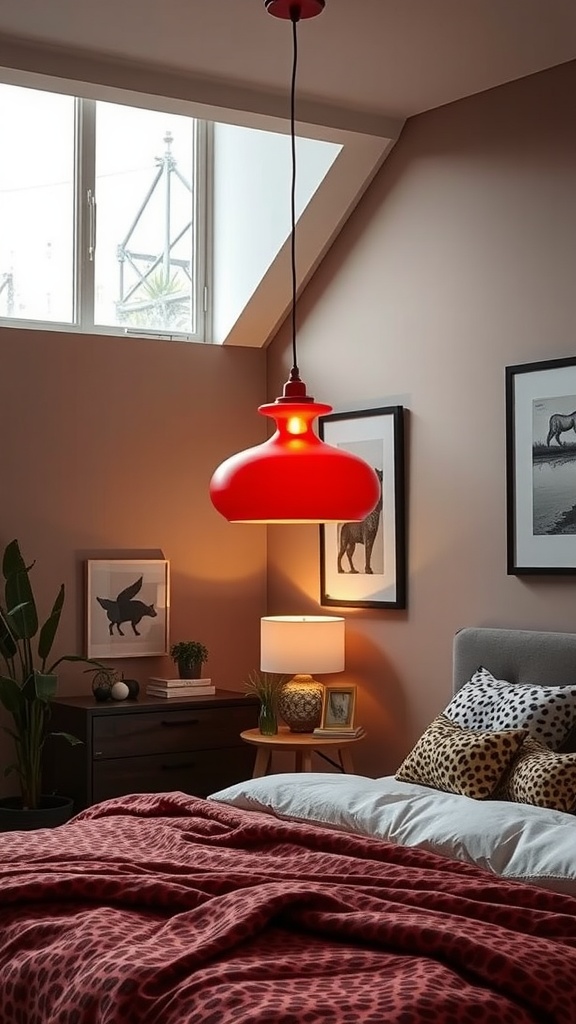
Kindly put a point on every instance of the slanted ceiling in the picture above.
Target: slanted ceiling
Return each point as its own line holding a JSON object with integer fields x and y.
{"x": 365, "y": 67}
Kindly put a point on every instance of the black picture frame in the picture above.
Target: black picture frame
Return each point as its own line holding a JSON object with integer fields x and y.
{"x": 541, "y": 467}
{"x": 376, "y": 435}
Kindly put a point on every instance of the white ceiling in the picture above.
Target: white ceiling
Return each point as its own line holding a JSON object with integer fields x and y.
{"x": 384, "y": 57}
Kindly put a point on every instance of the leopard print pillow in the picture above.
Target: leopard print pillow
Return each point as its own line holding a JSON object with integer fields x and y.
{"x": 540, "y": 776}
{"x": 548, "y": 712}
{"x": 458, "y": 760}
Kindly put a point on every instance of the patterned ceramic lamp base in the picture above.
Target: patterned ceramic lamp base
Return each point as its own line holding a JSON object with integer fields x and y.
{"x": 300, "y": 703}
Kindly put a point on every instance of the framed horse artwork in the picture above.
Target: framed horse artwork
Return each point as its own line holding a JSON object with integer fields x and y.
{"x": 363, "y": 564}
{"x": 541, "y": 467}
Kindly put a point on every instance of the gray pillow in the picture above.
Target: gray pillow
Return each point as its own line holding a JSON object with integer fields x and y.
{"x": 547, "y": 712}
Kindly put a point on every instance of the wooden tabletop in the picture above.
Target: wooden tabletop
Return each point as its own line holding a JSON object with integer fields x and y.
{"x": 285, "y": 738}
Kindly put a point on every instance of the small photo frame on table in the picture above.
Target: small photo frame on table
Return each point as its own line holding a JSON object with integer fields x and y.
{"x": 541, "y": 467}
{"x": 363, "y": 565}
{"x": 338, "y": 707}
{"x": 127, "y": 607}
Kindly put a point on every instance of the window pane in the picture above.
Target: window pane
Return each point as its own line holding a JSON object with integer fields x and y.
{"x": 144, "y": 269}
{"x": 36, "y": 204}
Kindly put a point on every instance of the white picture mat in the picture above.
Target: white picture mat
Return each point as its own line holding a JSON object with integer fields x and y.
{"x": 105, "y": 579}
{"x": 338, "y": 707}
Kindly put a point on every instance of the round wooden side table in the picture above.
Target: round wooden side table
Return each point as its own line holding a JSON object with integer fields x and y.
{"x": 301, "y": 744}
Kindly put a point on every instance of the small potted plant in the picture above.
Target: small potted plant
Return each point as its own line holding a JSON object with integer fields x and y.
{"x": 189, "y": 656}
{"x": 267, "y": 686}
{"x": 27, "y": 686}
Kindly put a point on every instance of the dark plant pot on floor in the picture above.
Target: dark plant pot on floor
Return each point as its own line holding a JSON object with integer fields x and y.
{"x": 53, "y": 811}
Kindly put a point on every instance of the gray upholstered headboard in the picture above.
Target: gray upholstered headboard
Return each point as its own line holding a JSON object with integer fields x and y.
{"x": 518, "y": 655}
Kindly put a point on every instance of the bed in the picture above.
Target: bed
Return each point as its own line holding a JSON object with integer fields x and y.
{"x": 240, "y": 908}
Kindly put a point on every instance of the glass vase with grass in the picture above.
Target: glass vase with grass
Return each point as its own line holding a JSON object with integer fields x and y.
{"x": 267, "y": 686}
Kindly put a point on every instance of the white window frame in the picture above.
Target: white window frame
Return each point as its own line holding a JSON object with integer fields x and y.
{"x": 85, "y": 186}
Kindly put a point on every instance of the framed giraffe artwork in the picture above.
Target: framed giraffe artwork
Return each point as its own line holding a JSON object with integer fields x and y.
{"x": 127, "y": 607}
{"x": 541, "y": 467}
{"x": 363, "y": 565}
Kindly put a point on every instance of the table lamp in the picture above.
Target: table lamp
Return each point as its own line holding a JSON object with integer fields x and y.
{"x": 292, "y": 643}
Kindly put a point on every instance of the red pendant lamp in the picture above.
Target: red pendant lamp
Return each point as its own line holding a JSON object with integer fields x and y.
{"x": 294, "y": 476}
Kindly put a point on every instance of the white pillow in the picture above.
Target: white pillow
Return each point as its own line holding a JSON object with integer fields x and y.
{"x": 531, "y": 844}
{"x": 547, "y": 712}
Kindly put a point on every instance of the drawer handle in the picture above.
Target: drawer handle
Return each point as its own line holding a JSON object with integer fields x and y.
{"x": 188, "y": 721}
{"x": 177, "y": 767}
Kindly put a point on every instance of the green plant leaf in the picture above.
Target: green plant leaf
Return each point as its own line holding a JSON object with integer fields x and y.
{"x": 8, "y": 648}
{"x": 11, "y": 695}
{"x": 20, "y": 604}
{"x": 189, "y": 650}
{"x": 50, "y": 627}
{"x": 40, "y": 686}
{"x": 265, "y": 685}
{"x": 73, "y": 740}
{"x": 12, "y": 561}
{"x": 77, "y": 657}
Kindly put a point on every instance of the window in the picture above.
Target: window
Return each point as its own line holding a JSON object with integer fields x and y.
{"x": 102, "y": 215}
{"x": 120, "y": 219}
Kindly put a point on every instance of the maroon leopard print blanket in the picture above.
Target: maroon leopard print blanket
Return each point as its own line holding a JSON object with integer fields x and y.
{"x": 166, "y": 909}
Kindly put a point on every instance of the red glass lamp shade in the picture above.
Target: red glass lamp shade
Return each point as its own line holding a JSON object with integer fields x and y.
{"x": 294, "y": 476}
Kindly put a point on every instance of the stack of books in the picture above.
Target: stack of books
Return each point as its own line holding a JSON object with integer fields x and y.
{"x": 180, "y": 688}
{"x": 339, "y": 733}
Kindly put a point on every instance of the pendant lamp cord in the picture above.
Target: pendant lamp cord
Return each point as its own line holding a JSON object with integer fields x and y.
{"x": 294, "y": 16}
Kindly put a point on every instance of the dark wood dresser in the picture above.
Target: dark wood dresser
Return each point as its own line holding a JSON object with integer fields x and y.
{"x": 148, "y": 745}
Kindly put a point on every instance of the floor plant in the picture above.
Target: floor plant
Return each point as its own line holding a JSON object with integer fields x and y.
{"x": 28, "y": 679}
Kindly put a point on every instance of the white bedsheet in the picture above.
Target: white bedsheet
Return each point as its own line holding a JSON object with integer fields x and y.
{"x": 518, "y": 841}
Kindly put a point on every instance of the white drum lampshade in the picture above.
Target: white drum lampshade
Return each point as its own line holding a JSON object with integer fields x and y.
{"x": 302, "y": 644}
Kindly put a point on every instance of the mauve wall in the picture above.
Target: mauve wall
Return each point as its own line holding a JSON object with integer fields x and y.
{"x": 459, "y": 261}
{"x": 108, "y": 446}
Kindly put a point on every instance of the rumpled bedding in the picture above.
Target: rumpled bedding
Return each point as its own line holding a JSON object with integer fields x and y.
{"x": 170, "y": 909}
{"x": 521, "y": 841}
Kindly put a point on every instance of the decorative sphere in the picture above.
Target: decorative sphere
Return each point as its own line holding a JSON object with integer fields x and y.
{"x": 102, "y": 685}
{"x": 119, "y": 691}
{"x": 101, "y": 693}
{"x": 133, "y": 687}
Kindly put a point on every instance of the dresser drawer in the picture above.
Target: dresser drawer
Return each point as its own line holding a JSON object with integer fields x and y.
{"x": 198, "y": 772}
{"x": 169, "y": 731}
{"x": 149, "y": 746}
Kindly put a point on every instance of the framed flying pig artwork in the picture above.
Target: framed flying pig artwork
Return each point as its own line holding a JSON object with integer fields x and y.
{"x": 127, "y": 607}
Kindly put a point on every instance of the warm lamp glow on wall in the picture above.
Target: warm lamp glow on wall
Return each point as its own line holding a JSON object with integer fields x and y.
{"x": 292, "y": 643}
{"x": 294, "y": 476}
